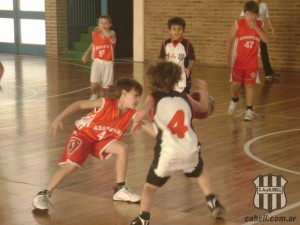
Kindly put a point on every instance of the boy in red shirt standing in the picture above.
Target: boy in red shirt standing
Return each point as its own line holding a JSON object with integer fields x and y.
{"x": 104, "y": 41}
{"x": 245, "y": 35}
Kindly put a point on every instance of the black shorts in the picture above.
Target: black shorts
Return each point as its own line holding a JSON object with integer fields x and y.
{"x": 155, "y": 180}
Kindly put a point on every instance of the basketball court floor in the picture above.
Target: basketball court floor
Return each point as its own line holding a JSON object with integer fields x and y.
{"x": 254, "y": 166}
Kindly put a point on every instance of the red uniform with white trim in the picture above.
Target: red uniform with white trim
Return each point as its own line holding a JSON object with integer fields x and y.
{"x": 245, "y": 53}
{"x": 247, "y": 46}
{"x": 95, "y": 131}
{"x": 103, "y": 47}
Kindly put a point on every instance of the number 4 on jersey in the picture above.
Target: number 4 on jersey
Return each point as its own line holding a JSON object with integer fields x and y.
{"x": 176, "y": 125}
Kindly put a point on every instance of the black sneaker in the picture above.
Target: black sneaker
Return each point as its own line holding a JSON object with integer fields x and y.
{"x": 216, "y": 208}
{"x": 139, "y": 221}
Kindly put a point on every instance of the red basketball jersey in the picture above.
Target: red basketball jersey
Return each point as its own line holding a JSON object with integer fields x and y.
{"x": 103, "y": 48}
{"x": 105, "y": 122}
{"x": 245, "y": 55}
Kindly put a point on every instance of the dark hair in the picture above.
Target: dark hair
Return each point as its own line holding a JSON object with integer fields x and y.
{"x": 251, "y": 6}
{"x": 163, "y": 76}
{"x": 128, "y": 84}
{"x": 176, "y": 21}
{"x": 106, "y": 17}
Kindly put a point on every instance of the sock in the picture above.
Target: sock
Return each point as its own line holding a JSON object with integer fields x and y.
{"x": 119, "y": 186}
{"x": 236, "y": 99}
{"x": 210, "y": 197}
{"x": 145, "y": 215}
{"x": 249, "y": 107}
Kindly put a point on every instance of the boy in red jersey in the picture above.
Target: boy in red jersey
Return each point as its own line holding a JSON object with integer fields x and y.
{"x": 104, "y": 41}
{"x": 245, "y": 35}
{"x": 98, "y": 133}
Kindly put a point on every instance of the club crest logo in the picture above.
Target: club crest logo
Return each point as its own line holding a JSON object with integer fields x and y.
{"x": 269, "y": 193}
{"x": 74, "y": 143}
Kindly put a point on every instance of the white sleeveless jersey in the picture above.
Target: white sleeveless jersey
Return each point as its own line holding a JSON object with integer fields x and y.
{"x": 172, "y": 118}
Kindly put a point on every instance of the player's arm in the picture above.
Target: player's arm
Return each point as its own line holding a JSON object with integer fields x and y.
{"x": 269, "y": 21}
{"x": 230, "y": 41}
{"x": 1, "y": 74}
{"x": 87, "y": 53}
{"x": 190, "y": 67}
{"x": 202, "y": 105}
{"x": 71, "y": 109}
{"x": 141, "y": 114}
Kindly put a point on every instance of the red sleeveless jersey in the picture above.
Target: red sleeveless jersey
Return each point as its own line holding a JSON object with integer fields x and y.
{"x": 105, "y": 122}
{"x": 103, "y": 48}
{"x": 247, "y": 45}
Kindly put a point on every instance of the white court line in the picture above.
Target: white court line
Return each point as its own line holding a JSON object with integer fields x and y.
{"x": 249, "y": 153}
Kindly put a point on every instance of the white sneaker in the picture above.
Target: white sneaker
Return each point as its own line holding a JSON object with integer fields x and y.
{"x": 94, "y": 97}
{"x": 232, "y": 107}
{"x": 126, "y": 195}
{"x": 248, "y": 115}
{"x": 42, "y": 200}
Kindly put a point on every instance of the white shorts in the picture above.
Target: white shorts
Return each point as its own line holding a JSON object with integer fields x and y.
{"x": 102, "y": 72}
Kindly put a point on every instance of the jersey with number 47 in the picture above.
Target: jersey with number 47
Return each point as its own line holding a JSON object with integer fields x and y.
{"x": 172, "y": 116}
{"x": 245, "y": 52}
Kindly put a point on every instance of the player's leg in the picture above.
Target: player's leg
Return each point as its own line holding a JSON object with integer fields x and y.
{"x": 250, "y": 80}
{"x": 107, "y": 78}
{"x": 205, "y": 185}
{"x": 236, "y": 78}
{"x": 153, "y": 182}
{"x": 122, "y": 192}
{"x": 74, "y": 155}
{"x": 95, "y": 79}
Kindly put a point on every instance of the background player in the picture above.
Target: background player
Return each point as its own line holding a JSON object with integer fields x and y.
{"x": 246, "y": 33}
{"x": 104, "y": 41}
{"x": 180, "y": 51}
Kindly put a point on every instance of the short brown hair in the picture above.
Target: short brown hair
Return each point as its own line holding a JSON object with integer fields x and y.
{"x": 251, "y": 6}
{"x": 128, "y": 84}
{"x": 163, "y": 76}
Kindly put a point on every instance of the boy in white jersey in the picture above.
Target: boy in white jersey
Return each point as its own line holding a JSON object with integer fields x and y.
{"x": 104, "y": 41}
{"x": 177, "y": 146}
{"x": 98, "y": 134}
{"x": 180, "y": 51}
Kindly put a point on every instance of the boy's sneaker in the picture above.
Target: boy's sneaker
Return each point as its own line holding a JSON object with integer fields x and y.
{"x": 269, "y": 76}
{"x": 139, "y": 221}
{"x": 248, "y": 115}
{"x": 127, "y": 195}
{"x": 42, "y": 200}
{"x": 232, "y": 107}
{"x": 94, "y": 97}
{"x": 216, "y": 208}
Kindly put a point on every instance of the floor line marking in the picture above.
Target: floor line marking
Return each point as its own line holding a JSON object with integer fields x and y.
{"x": 249, "y": 153}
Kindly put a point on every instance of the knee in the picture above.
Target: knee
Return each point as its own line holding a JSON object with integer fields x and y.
{"x": 122, "y": 149}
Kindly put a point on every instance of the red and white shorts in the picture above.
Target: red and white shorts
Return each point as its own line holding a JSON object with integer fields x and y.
{"x": 245, "y": 76}
{"x": 79, "y": 147}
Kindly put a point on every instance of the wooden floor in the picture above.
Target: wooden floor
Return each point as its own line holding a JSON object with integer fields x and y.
{"x": 36, "y": 89}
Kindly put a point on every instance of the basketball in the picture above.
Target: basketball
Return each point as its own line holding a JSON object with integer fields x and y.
{"x": 211, "y": 105}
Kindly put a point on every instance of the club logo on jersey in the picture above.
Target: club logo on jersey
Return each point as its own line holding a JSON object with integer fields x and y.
{"x": 74, "y": 143}
{"x": 181, "y": 57}
{"x": 269, "y": 193}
